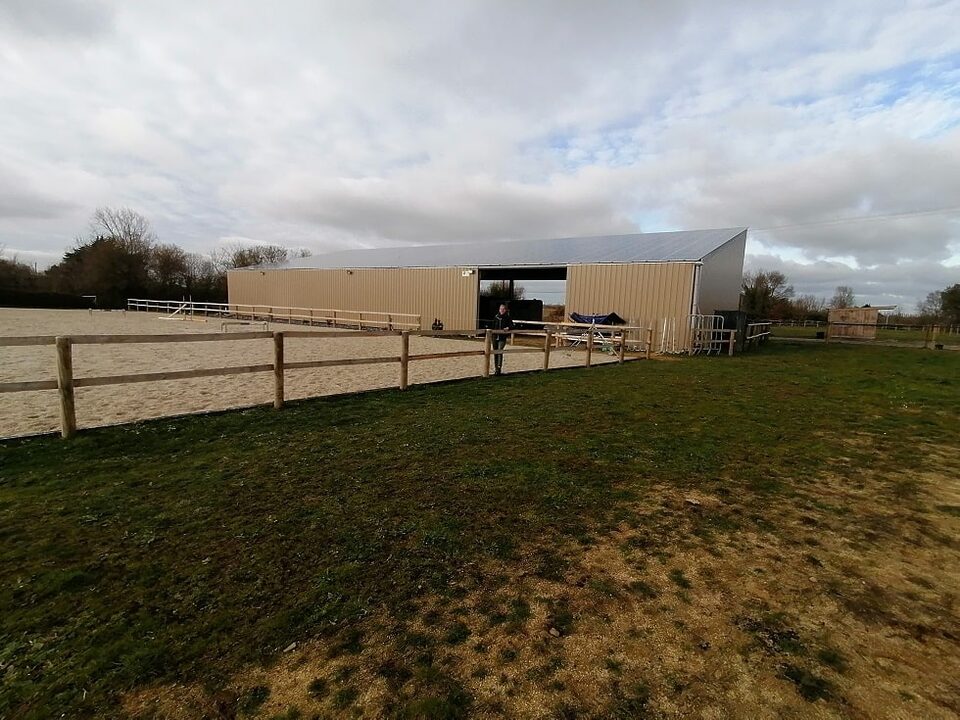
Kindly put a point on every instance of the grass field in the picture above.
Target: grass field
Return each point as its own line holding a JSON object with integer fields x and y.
{"x": 772, "y": 535}
{"x": 885, "y": 334}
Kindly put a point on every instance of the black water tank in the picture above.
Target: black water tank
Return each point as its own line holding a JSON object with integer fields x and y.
{"x": 735, "y": 320}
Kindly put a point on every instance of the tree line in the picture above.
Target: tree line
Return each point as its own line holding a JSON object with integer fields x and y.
{"x": 768, "y": 295}
{"x": 121, "y": 257}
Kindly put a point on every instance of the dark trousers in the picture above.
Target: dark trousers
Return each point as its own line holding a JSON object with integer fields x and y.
{"x": 499, "y": 343}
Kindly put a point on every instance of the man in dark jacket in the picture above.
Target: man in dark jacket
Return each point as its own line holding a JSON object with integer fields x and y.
{"x": 502, "y": 321}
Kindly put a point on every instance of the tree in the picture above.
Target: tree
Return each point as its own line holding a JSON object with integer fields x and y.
{"x": 15, "y": 275}
{"x": 766, "y": 294}
{"x": 128, "y": 227}
{"x": 102, "y": 266}
{"x": 239, "y": 256}
{"x": 808, "y": 307}
{"x": 169, "y": 270}
{"x": 843, "y": 297}
{"x": 501, "y": 289}
{"x": 931, "y": 308}
{"x": 950, "y": 305}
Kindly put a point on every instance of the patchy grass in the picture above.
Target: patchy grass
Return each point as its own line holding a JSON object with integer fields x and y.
{"x": 408, "y": 554}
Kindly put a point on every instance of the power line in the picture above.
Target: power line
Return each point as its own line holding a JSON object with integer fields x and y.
{"x": 864, "y": 218}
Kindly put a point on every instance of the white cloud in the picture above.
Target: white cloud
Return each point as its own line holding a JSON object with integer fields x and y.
{"x": 334, "y": 124}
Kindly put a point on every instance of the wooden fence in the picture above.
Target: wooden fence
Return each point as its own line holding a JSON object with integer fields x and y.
{"x": 65, "y": 382}
{"x": 359, "y": 319}
{"x": 757, "y": 332}
{"x": 932, "y": 334}
{"x": 942, "y": 329}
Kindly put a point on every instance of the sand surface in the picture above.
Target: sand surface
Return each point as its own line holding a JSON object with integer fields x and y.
{"x": 28, "y": 413}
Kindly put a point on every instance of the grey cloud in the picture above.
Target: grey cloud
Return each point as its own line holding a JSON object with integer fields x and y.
{"x": 421, "y": 209}
{"x": 57, "y": 18}
{"x": 19, "y": 201}
{"x": 900, "y": 284}
{"x": 893, "y": 176}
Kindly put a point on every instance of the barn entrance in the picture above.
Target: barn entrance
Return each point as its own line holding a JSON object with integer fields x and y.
{"x": 541, "y": 291}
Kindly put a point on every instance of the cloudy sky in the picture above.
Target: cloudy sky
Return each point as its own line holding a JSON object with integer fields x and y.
{"x": 343, "y": 124}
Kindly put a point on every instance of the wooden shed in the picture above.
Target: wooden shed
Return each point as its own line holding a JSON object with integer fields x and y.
{"x": 855, "y": 323}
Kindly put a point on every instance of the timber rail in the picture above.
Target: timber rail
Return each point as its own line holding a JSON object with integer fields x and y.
{"x": 358, "y": 319}
{"x": 65, "y": 383}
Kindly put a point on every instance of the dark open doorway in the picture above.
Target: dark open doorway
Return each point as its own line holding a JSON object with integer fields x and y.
{"x": 530, "y": 291}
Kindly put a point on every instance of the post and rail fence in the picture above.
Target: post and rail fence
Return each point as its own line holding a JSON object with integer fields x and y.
{"x": 757, "y": 332}
{"x": 66, "y": 384}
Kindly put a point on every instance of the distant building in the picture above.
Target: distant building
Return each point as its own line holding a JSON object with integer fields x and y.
{"x": 645, "y": 278}
{"x": 858, "y": 323}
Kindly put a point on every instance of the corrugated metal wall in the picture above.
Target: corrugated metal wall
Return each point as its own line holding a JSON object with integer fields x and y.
{"x": 443, "y": 293}
{"x": 632, "y": 290}
{"x": 721, "y": 276}
{"x": 643, "y": 294}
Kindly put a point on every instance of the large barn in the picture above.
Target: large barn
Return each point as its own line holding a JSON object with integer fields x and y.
{"x": 644, "y": 278}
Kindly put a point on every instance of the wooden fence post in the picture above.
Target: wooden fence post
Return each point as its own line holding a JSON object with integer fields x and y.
{"x": 589, "y": 346}
{"x": 649, "y": 341}
{"x": 278, "y": 370}
{"x": 623, "y": 346}
{"x": 404, "y": 358}
{"x": 926, "y": 337}
{"x": 68, "y": 412}
{"x": 732, "y": 334}
{"x": 546, "y": 351}
{"x": 487, "y": 347}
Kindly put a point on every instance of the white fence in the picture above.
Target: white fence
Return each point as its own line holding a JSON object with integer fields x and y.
{"x": 359, "y": 319}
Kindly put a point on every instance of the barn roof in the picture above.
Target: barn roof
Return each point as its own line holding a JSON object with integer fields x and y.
{"x": 682, "y": 246}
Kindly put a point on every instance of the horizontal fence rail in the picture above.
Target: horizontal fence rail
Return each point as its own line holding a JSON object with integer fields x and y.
{"x": 359, "y": 319}
{"x": 758, "y": 332}
{"x": 936, "y": 335}
{"x": 65, "y": 382}
{"x": 885, "y": 325}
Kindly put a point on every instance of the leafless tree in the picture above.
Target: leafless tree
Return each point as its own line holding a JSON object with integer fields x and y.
{"x": 128, "y": 227}
{"x": 239, "y": 256}
{"x": 501, "y": 289}
{"x": 843, "y": 297}
{"x": 806, "y": 305}
{"x": 932, "y": 306}
{"x": 764, "y": 291}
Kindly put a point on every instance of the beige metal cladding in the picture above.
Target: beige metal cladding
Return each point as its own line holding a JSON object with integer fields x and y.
{"x": 635, "y": 291}
{"x": 449, "y": 294}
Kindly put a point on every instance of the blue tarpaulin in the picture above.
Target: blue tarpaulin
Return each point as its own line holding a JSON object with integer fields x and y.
{"x": 608, "y": 319}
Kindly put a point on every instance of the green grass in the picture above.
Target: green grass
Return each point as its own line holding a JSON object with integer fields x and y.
{"x": 184, "y": 550}
{"x": 885, "y": 334}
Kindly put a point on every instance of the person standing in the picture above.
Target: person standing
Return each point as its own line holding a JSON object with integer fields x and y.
{"x": 502, "y": 321}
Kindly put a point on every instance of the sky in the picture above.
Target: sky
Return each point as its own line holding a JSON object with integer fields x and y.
{"x": 830, "y": 129}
